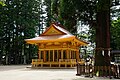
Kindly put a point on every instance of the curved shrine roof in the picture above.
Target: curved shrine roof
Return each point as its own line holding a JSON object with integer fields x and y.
{"x": 55, "y": 33}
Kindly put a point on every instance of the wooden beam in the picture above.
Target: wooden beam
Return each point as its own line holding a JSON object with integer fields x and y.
{"x": 58, "y": 49}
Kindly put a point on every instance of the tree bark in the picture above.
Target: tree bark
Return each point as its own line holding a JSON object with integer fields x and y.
{"x": 102, "y": 57}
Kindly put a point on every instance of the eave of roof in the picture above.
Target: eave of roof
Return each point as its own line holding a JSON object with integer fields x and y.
{"x": 38, "y": 40}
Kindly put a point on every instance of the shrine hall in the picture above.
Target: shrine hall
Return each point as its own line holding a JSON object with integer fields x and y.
{"x": 57, "y": 47}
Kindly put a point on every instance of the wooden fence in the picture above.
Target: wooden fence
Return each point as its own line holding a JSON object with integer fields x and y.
{"x": 100, "y": 71}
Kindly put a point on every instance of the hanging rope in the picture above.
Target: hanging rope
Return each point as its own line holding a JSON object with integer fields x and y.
{"x": 103, "y": 50}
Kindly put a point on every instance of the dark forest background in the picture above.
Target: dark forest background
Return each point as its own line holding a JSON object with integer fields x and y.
{"x": 23, "y": 19}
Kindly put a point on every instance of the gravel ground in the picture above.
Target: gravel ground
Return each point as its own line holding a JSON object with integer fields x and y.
{"x": 20, "y": 72}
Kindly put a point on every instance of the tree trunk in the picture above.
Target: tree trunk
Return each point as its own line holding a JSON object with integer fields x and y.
{"x": 6, "y": 60}
{"x": 102, "y": 57}
{"x": 24, "y": 60}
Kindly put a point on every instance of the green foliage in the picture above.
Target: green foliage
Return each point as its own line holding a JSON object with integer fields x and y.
{"x": 48, "y": 11}
{"x": 55, "y": 7}
{"x": 69, "y": 12}
{"x": 67, "y": 15}
{"x": 92, "y": 34}
{"x": 103, "y": 5}
{"x": 2, "y": 3}
{"x": 115, "y": 37}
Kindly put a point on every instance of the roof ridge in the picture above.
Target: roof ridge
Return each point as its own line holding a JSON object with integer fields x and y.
{"x": 62, "y": 27}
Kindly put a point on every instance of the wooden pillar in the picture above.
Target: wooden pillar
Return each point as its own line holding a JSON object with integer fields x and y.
{"x": 74, "y": 55}
{"x": 49, "y": 55}
{"x": 77, "y": 55}
{"x": 61, "y": 54}
{"x": 70, "y": 54}
{"x": 53, "y": 55}
{"x": 67, "y": 53}
{"x": 39, "y": 54}
{"x": 57, "y": 56}
{"x": 44, "y": 56}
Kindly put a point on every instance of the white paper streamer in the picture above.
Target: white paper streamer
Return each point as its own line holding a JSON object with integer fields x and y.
{"x": 103, "y": 52}
{"x": 109, "y": 52}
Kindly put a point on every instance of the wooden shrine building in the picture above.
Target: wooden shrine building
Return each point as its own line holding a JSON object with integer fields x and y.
{"x": 57, "y": 48}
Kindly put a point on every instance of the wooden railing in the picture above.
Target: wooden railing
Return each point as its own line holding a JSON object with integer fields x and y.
{"x": 100, "y": 71}
{"x": 60, "y": 62}
{"x": 67, "y": 60}
{"x": 37, "y": 60}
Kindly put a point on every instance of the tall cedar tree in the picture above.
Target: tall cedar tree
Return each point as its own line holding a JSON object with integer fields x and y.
{"x": 18, "y": 21}
{"x": 96, "y": 13}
